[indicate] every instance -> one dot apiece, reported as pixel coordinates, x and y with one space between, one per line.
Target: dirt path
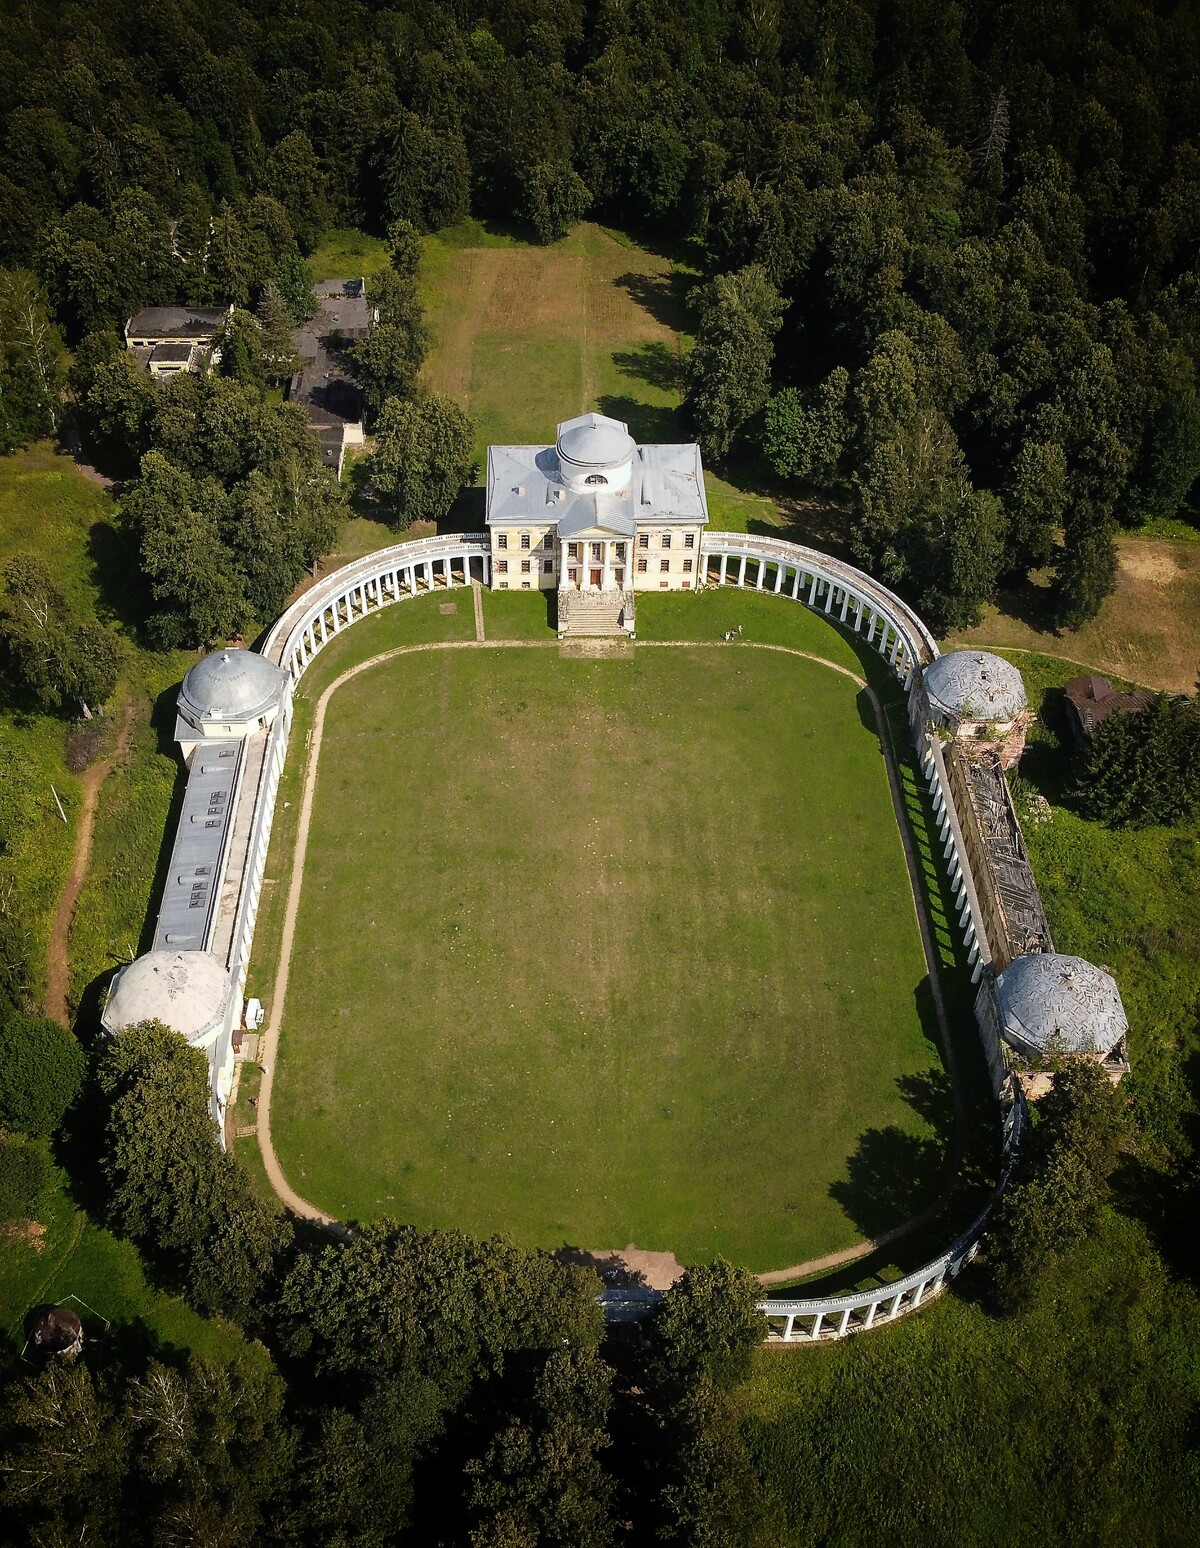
58 957
650 1267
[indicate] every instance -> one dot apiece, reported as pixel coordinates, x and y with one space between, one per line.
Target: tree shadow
663 296
652 363
647 423
117 568
893 1175
468 511
608 1266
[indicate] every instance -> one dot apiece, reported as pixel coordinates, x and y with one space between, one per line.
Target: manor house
596 518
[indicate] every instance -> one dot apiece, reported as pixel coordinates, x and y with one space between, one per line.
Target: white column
741 580
778 578
812 593
816 1327
724 562
873 626
829 597
787 1332
844 1323
845 605
762 574
796 584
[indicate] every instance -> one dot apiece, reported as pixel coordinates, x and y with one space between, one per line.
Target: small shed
1092 699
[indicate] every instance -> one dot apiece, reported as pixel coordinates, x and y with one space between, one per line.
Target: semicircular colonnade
773 566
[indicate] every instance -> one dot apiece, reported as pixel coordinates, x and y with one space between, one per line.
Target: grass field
1147 631
643 956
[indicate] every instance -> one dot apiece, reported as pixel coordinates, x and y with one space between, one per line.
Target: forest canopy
979 226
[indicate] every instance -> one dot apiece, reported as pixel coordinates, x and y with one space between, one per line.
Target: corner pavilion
595 513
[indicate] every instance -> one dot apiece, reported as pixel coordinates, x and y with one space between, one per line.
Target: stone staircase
584 614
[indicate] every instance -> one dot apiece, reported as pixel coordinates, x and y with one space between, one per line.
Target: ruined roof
975 685
1051 1003
1093 699
168 322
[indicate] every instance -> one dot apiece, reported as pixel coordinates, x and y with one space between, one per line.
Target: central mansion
595 513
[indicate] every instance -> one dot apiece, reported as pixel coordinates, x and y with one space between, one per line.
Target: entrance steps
593 614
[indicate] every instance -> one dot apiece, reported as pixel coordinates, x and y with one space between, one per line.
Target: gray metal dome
594 441
975 685
1050 1003
231 685
186 990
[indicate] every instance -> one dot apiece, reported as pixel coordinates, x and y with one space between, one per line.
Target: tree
424 454
1086 571
41 1071
540 1479
277 345
1145 767
53 654
118 400
708 1490
31 373
805 434
553 198
293 177
178 521
1036 501
425 173
241 348
1053 1203
170 1186
388 361
404 248
729 371
706 1325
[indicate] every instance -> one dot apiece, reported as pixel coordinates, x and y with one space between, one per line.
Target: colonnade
843 593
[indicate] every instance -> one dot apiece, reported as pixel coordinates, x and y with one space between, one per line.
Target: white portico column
604 565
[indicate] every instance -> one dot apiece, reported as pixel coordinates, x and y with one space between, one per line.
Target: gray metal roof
231 685
188 912
1050 1003
594 441
975 685
186 990
168 354
524 486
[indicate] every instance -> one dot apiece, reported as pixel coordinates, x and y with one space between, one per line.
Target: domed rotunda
188 991
230 693
595 452
976 695
1052 1004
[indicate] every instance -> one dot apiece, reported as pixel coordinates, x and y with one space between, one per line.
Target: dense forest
946 275
950 249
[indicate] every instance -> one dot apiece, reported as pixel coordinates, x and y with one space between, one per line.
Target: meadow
643 956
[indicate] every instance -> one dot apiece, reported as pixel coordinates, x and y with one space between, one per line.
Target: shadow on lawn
893 1175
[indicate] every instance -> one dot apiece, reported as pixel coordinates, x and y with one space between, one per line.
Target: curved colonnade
776 567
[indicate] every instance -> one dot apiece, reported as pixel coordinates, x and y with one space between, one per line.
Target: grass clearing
628 966
347 254
1147 631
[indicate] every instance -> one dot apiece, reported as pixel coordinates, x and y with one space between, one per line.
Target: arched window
595 478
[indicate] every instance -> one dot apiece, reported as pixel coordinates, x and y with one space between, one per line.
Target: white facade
595 512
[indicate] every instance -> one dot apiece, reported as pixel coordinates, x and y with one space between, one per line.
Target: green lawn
626 951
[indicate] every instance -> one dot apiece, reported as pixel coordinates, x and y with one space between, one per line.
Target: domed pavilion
1054 1006
977 696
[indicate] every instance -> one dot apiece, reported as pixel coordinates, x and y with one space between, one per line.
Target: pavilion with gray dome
974 695
233 712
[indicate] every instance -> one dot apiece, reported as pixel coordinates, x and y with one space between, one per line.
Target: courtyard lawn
594 951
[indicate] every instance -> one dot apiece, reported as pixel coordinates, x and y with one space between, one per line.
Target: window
595 478
644 540
620 553
687 585
503 585
502 540
573 551
664 565
597 551
502 566
687 566
689 540
524 540
524 585
666 540
524 566
643 566
548 567
573 576
548 540
619 577
663 585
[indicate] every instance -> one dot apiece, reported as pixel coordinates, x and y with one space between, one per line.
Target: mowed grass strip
602 951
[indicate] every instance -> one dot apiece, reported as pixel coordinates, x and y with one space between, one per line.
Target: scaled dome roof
186 990
595 441
1054 1003
975 685
231 685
